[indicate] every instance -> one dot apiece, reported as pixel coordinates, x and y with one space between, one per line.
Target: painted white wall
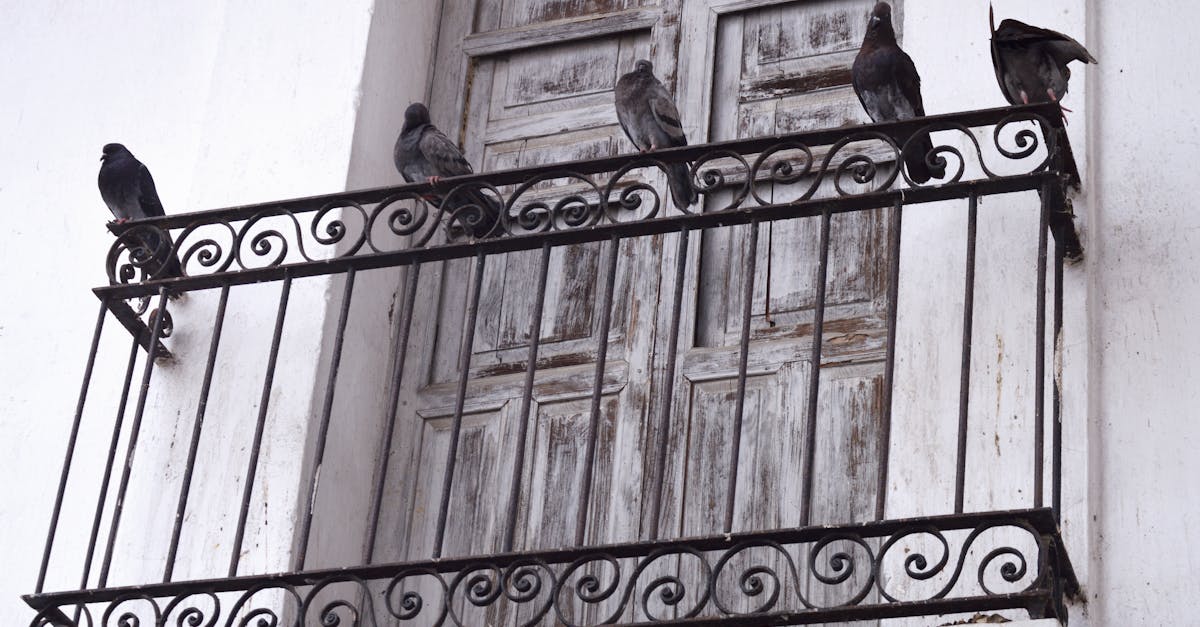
228 103
1145 240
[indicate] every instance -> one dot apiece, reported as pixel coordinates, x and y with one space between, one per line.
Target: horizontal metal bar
870 611
823 137
1040 520
669 224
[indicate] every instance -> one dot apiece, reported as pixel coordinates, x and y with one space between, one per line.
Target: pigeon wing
909 82
623 96
151 205
1063 47
666 115
444 157
858 81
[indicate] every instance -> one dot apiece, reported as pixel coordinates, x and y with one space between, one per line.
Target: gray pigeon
651 122
1031 62
128 189
425 154
889 88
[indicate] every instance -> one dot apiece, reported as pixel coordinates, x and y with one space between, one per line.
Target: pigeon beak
874 21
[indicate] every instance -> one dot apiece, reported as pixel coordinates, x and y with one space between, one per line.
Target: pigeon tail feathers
914 160
679 179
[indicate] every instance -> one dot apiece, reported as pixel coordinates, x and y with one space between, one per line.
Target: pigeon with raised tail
1031 62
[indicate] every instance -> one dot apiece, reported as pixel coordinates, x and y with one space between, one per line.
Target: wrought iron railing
859 570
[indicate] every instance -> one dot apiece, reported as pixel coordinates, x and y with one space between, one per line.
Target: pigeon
651 122
889 89
128 189
1031 62
424 154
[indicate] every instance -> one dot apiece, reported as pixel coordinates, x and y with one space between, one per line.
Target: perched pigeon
889 88
651 122
1031 62
425 154
128 189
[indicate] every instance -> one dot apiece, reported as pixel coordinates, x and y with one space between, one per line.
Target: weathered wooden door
528 82
782 67
763 68
521 83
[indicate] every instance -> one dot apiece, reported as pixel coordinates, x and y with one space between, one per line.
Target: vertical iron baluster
263 402
889 365
664 420
1039 386
814 374
1056 428
143 392
406 316
108 467
197 426
964 375
743 362
535 333
589 461
71 439
466 347
335 362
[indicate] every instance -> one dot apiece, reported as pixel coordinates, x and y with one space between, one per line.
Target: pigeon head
643 65
113 150
880 23
415 115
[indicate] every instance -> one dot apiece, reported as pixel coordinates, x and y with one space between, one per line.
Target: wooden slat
572 29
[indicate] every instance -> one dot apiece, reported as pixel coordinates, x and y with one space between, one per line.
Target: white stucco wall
1143 388
228 103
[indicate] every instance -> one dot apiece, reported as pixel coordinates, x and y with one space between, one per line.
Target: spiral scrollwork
588 194
260 606
208 252
671 581
330 231
190 614
270 246
843 550
636 199
1025 140
708 177
757 579
127 616
782 170
143 249
339 610
407 604
1011 571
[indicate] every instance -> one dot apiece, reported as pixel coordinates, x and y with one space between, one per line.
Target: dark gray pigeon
889 89
128 189
425 154
1031 62
651 122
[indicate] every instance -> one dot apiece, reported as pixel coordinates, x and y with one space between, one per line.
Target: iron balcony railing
798 574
